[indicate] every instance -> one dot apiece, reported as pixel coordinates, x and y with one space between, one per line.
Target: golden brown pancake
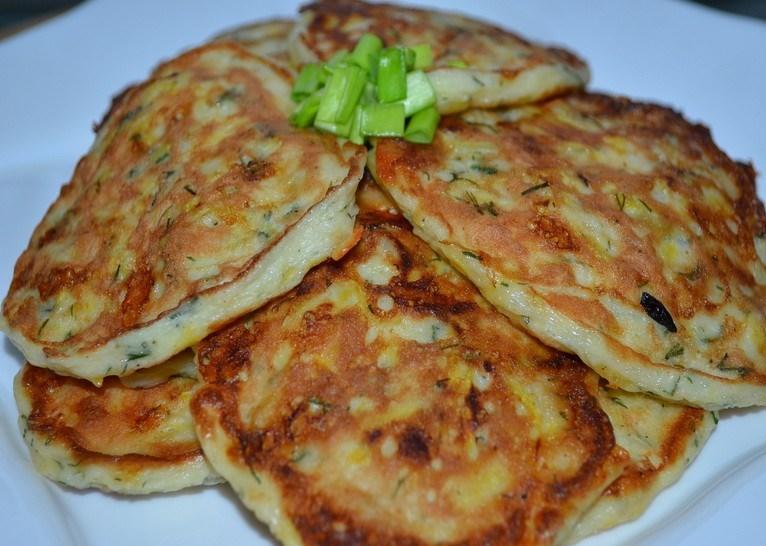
613 229
115 438
383 401
475 64
197 203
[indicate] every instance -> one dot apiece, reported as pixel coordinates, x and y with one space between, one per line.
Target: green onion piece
384 120
338 58
304 114
355 135
422 126
365 54
340 129
457 63
420 93
356 80
392 75
309 80
409 58
424 56
341 95
368 96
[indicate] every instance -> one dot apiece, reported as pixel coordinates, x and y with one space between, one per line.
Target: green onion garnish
420 93
424 56
341 94
309 80
409 58
383 120
356 135
366 52
392 75
370 91
304 115
422 126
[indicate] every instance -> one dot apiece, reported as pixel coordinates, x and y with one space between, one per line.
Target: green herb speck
545 184
674 351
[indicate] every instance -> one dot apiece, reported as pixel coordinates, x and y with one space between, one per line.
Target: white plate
58 78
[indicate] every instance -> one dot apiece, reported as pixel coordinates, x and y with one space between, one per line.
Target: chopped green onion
370 91
356 79
422 126
368 96
457 63
341 95
337 59
365 54
384 120
409 58
424 56
309 80
304 115
392 75
420 93
340 129
355 135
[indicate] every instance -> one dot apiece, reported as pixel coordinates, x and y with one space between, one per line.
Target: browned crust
78 416
538 510
395 24
515 237
136 307
638 476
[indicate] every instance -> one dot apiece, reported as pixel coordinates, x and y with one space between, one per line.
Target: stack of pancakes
519 334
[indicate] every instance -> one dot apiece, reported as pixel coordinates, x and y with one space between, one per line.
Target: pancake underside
114 438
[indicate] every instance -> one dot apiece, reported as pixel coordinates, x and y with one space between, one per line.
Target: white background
58 78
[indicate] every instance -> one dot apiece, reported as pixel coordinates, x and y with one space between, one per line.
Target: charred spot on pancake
225 353
414 444
256 169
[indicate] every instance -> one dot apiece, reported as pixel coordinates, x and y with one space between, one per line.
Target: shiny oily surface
130 440
197 202
610 228
475 64
384 401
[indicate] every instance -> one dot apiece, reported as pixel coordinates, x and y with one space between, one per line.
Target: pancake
475 64
116 438
662 439
267 38
197 203
383 401
612 229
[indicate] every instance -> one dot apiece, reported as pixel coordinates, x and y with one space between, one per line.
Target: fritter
383 401
475 64
197 203
132 440
609 228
